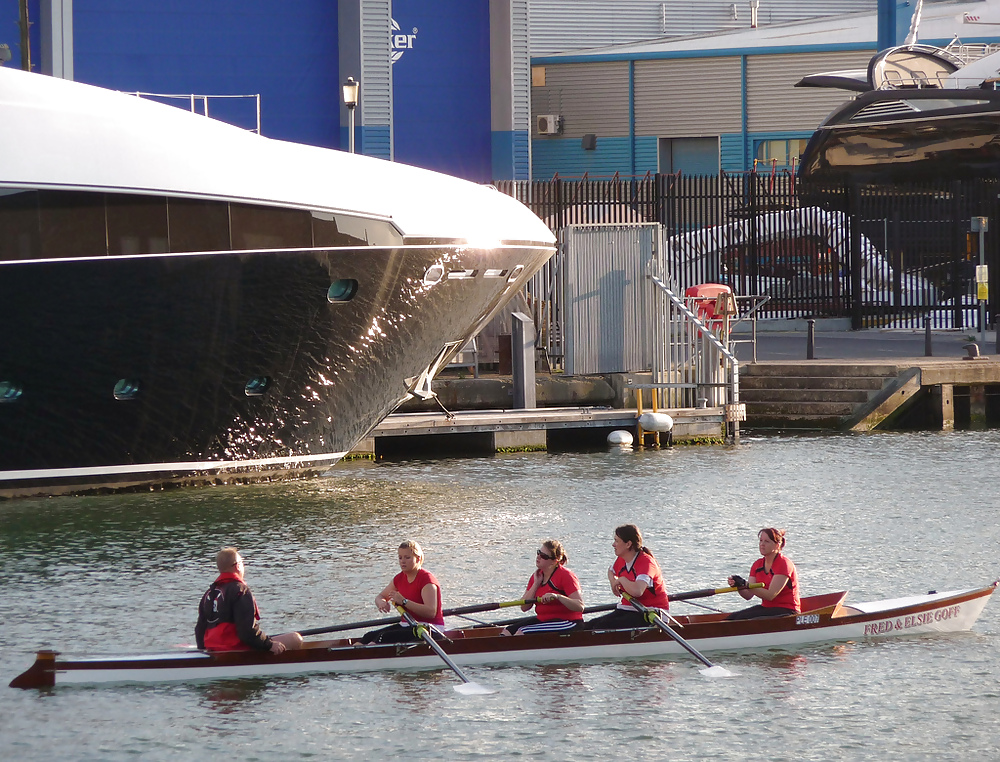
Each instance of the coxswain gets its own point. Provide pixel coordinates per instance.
(228, 613)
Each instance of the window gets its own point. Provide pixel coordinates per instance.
(342, 290)
(268, 227)
(783, 154)
(72, 224)
(197, 225)
(9, 391)
(257, 386)
(136, 224)
(19, 231)
(127, 389)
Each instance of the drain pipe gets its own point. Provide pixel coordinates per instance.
(754, 5)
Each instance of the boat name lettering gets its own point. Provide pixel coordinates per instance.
(912, 620)
(807, 619)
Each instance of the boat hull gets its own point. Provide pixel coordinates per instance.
(194, 329)
(824, 619)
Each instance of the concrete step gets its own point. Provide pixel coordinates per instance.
(818, 369)
(797, 409)
(869, 383)
(852, 396)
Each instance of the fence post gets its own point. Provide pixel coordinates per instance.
(854, 220)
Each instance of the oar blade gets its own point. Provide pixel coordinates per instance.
(716, 671)
(473, 689)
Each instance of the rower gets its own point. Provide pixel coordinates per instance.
(780, 594)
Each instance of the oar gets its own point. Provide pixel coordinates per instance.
(652, 617)
(705, 593)
(708, 592)
(467, 687)
(392, 620)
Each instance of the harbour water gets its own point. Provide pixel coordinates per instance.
(880, 515)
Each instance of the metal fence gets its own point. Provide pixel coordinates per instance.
(890, 256)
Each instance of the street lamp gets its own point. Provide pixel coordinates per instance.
(350, 100)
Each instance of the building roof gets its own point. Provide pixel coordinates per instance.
(940, 23)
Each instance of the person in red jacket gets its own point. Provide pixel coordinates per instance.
(780, 594)
(556, 590)
(635, 572)
(228, 614)
(416, 590)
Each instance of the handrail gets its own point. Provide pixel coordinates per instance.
(733, 376)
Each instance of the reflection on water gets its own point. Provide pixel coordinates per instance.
(882, 516)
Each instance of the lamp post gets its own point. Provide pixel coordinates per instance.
(350, 100)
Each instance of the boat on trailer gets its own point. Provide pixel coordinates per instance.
(823, 618)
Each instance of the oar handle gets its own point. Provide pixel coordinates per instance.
(709, 591)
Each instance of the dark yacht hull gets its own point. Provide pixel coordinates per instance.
(877, 138)
(191, 331)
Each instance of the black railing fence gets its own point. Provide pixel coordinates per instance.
(883, 256)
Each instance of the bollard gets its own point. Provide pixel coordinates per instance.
(928, 351)
(811, 340)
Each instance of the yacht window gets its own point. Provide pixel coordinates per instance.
(342, 290)
(197, 225)
(9, 391)
(257, 386)
(19, 231)
(266, 227)
(72, 224)
(136, 224)
(127, 389)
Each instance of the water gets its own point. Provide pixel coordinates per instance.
(882, 515)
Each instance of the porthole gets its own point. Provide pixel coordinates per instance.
(342, 290)
(257, 385)
(127, 389)
(433, 275)
(515, 273)
(10, 392)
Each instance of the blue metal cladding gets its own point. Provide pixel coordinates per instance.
(441, 86)
(287, 52)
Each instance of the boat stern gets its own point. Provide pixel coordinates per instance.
(41, 674)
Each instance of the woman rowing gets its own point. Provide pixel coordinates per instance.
(635, 573)
(416, 590)
(780, 594)
(556, 590)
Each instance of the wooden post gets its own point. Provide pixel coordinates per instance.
(942, 398)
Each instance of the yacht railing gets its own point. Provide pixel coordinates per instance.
(193, 100)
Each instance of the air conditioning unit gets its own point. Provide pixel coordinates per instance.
(549, 124)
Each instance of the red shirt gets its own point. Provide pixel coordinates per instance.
(655, 594)
(788, 598)
(562, 581)
(413, 591)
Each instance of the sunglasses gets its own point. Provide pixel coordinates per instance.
(546, 556)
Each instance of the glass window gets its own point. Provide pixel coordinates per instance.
(72, 224)
(136, 224)
(342, 290)
(127, 389)
(19, 229)
(344, 230)
(198, 225)
(256, 386)
(265, 227)
(9, 391)
(783, 154)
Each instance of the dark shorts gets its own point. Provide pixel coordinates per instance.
(619, 619)
(757, 612)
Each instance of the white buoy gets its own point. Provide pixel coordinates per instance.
(656, 422)
(620, 437)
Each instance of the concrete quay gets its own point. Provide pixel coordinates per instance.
(859, 381)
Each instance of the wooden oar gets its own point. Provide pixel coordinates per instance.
(652, 617)
(467, 687)
(392, 620)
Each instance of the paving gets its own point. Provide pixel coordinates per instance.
(791, 346)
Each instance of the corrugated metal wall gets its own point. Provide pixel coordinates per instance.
(376, 74)
(773, 101)
(608, 299)
(561, 25)
(688, 98)
(591, 97)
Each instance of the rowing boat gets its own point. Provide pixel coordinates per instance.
(823, 618)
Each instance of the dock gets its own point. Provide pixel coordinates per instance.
(556, 428)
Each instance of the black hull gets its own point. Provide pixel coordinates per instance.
(193, 330)
(874, 140)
